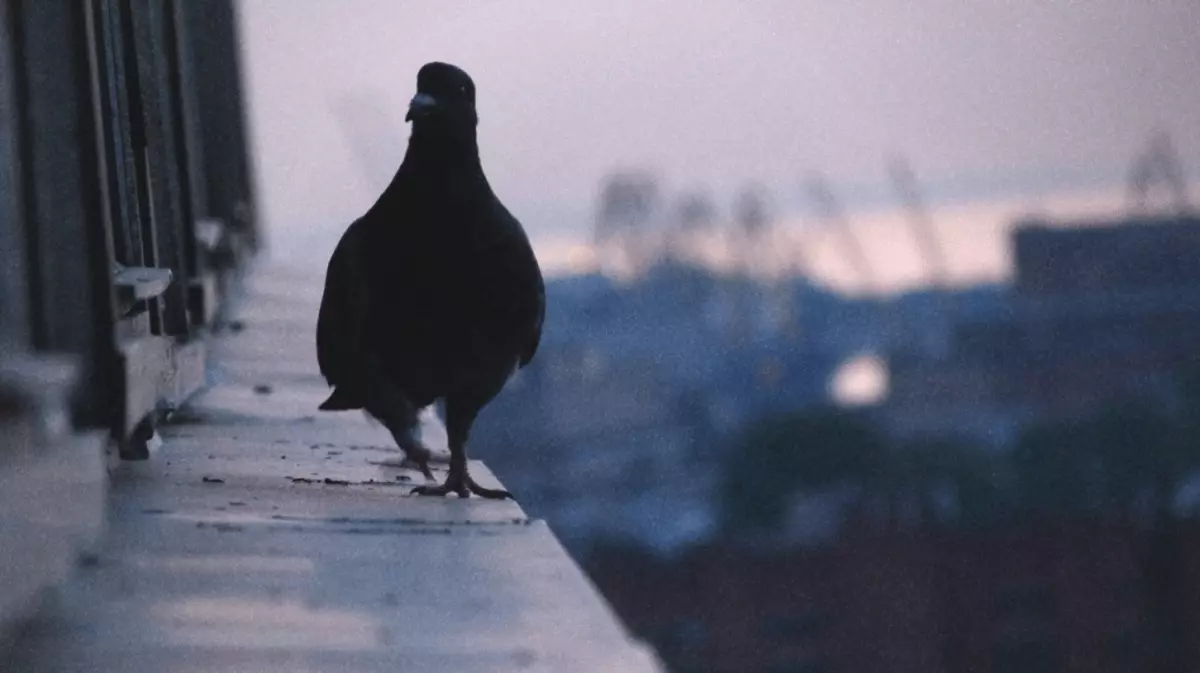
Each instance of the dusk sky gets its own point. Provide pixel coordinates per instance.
(993, 102)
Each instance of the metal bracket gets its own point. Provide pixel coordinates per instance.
(137, 284)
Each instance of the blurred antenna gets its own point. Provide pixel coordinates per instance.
(929, 247)
(692, 221)
(696, 211)
(1158, 164)
(752, 242)
(622, 233)
(830, 212)
(933, 257)
(752, 222)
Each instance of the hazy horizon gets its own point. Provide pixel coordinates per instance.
(999, 107)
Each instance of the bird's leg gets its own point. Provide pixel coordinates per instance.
(456, 479)
(416, 454)
(473, 487)
(393, 408)
(458, 425)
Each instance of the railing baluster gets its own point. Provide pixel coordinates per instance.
(69, 244)
(166, 203)
(14, 305)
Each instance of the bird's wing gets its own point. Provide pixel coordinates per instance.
(342, 317)
(535, 337)
(517, 264)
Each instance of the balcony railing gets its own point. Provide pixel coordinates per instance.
(126, 202)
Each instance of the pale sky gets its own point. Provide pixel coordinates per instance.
(989, 99)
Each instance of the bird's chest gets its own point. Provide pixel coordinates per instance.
(439, 265)
(431, 228)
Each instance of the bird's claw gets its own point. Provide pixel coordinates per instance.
(489, 493)
(444, 489)
(463, 487)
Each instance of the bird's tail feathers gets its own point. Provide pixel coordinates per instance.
(341, 399)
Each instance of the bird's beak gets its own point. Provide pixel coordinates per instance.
(422, 104)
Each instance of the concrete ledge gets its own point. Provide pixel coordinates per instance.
(52, 482)
(51, 511)
(264, 535)
(160, 372)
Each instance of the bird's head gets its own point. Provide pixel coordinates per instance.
(445, 99)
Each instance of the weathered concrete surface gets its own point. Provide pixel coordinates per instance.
(263, 536)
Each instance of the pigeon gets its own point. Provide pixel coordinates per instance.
(434, 294)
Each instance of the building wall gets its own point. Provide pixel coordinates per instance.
(1101, 314)
(1100, 257)
(1065, 597)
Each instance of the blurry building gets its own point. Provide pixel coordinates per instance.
(1100, 313)
(1069, 597)
(616, 429)
(1153, 255)
(620, 426)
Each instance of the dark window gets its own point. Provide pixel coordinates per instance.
(1027, 655)
(1032, 599)
(795, 625)
(811, 666)
(1127, 649)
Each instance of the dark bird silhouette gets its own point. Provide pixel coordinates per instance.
(434, 293)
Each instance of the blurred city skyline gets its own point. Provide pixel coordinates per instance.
(1002, 108)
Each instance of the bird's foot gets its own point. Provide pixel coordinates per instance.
(417, 457)
(447, 488)
(461, 484)
(489, 493)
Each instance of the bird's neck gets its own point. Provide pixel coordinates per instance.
(435, 152)
(436, 164)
